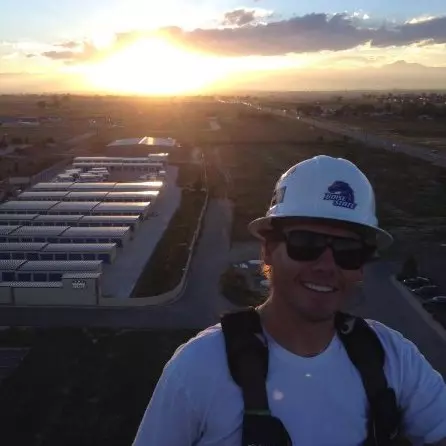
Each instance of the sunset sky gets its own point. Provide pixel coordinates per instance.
(179, 46)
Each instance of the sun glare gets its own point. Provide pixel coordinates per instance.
(153, 66)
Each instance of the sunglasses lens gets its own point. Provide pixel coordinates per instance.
(305, 246)
(351, 254)
(348, 253)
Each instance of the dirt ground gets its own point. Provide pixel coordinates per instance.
(429, 133)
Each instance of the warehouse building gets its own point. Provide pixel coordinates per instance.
(6, 230)
(44, 271)
(106, 252)
(98, 187)
(56, 220)
(141, 208)
(121, 235)
(140, 147)
(51, 186)
(151, 167)
(102, 161)
(58, 251)
(42, 196)
(26, 207)
(20, 251)
(133, 221)
(105, 186)
(73, 208)
(8, 269)
(17, 219)
(35, 234)
(138, 186)
(132, 197)
(86, 196)
(77, 288)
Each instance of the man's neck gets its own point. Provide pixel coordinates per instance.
(297, 335)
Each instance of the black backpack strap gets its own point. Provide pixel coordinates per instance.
(247, 357)
(367, 354)
(247, 354)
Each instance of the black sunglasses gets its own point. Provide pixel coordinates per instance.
(348, 253)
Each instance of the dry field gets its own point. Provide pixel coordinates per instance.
(411, 193)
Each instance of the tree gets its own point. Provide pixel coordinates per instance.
(41, 104)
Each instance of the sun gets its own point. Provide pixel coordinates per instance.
(153, 66)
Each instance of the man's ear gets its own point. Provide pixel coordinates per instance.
(268, 247)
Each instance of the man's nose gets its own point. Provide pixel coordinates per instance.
(326, 261)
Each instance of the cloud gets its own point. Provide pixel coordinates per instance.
(70, 44)
(85, 51)
(244, 16)
(59, 55)
(423, 18)
(244, 34)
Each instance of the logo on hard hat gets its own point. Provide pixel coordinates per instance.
(341, 194)
(278, 196)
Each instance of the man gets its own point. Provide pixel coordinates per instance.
(316, 237)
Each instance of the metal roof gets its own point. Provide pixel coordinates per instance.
(62, 265)
(31, 284)
(39, 231)
(127, 142)
(23, 217)
(110, 218)
(78, 247)
(58, 218)
(164, 142)
(22, 205)
(122, 207)
(73, 206)
(142, 194)
(22, 247)
(138, 185)
(51, 186)
(81, 276)
(101, 231)
(10, 265)
(87, 194)
(92, 186)
(6, 230)
(93, 164)
(58, 194)
(95, 158)
(118, 159)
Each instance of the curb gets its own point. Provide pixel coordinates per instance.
(411, 300)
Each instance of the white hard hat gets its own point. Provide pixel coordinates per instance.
(324, 188)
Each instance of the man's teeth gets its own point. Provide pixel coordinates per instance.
(318, 288)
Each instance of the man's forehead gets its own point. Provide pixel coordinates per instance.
(334, 228)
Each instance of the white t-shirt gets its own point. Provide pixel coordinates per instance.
(320, 400)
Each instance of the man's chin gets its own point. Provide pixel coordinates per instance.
(317, 318)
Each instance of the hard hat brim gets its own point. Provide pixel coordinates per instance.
(263, 224)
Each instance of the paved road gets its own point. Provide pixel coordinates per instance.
(381, 301)
(364, 136)
(120, 278)
(370, 139)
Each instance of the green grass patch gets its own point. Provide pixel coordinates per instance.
(165, 267)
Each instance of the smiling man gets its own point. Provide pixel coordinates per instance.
(297, 370)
